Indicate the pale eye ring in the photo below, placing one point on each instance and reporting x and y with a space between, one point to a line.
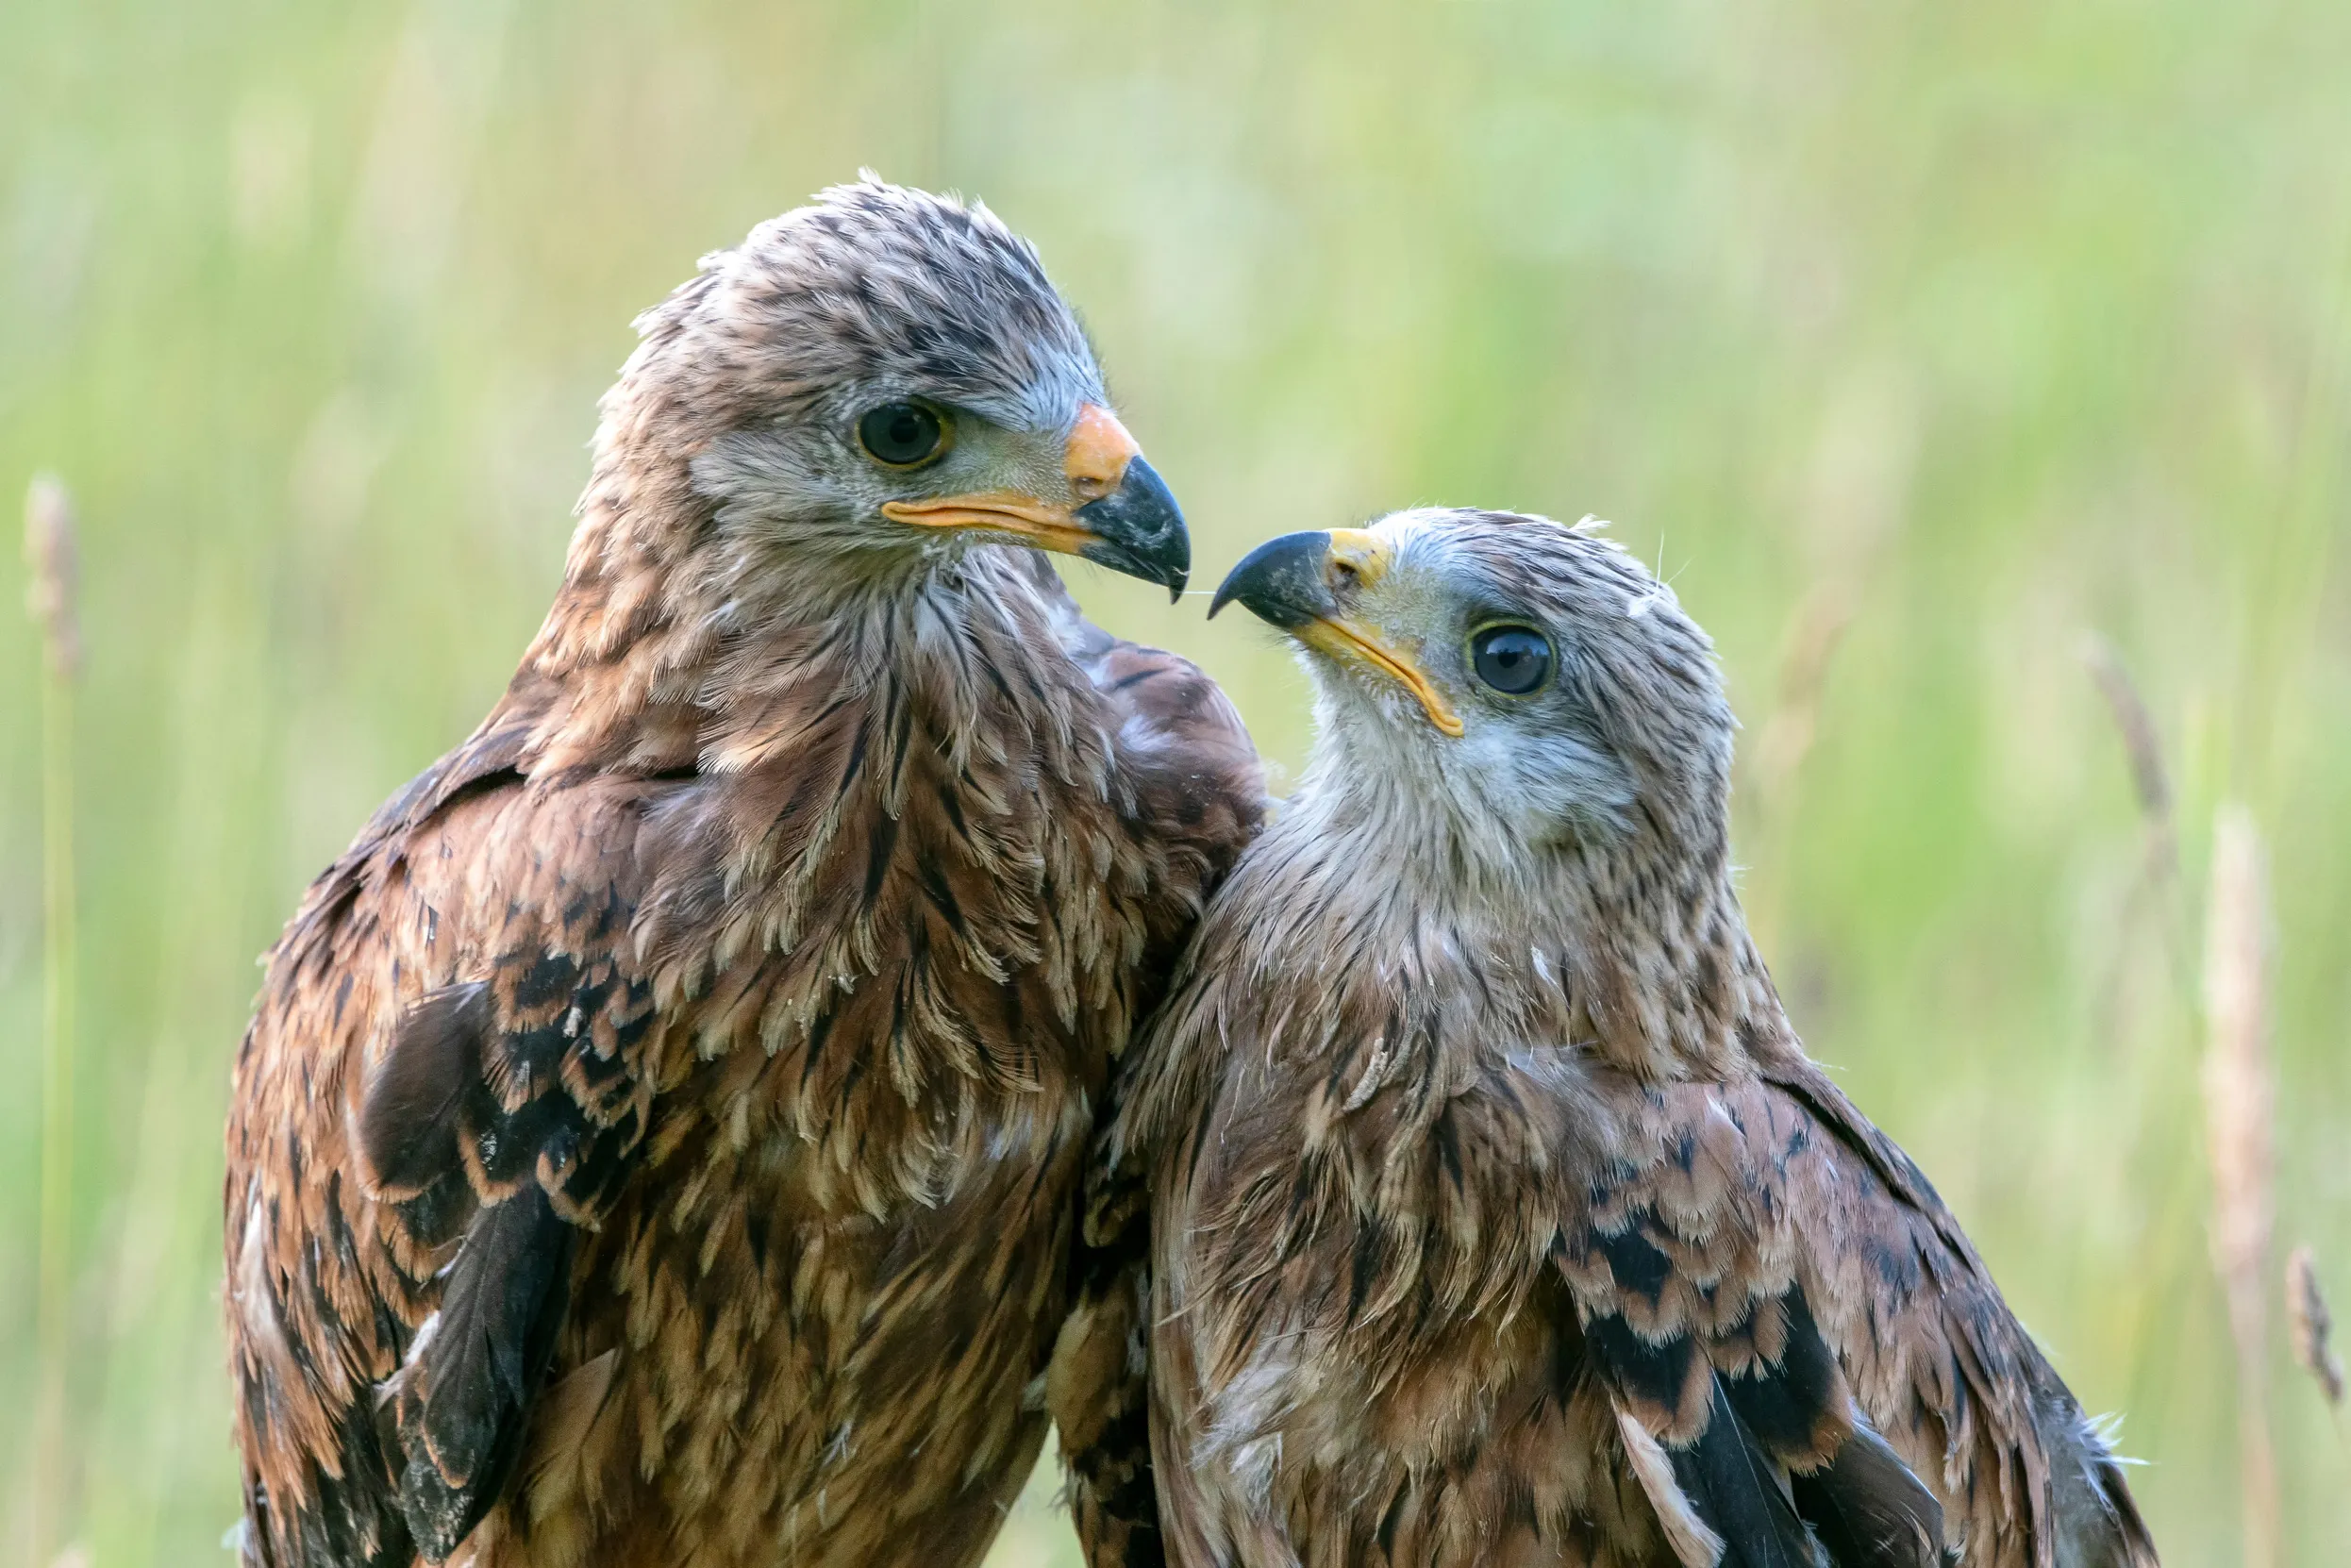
1515 661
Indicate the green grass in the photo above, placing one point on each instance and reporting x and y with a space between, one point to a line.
1990 324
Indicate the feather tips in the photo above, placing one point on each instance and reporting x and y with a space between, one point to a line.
1734 1485
1868 1507
470 1113
460 1406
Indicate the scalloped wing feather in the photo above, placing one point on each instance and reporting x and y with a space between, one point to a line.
451 1037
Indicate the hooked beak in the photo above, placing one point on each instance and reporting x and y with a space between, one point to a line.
1119 513
1296 583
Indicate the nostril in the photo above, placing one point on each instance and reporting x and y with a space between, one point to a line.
1344 578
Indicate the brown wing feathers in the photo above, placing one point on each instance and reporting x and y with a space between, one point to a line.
503 1116
1685 1281
1099 1394
498 1116
1867 1505
1769 1390
1927 1333
458 1406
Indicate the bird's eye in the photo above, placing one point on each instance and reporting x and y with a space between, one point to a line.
903 435
1512 659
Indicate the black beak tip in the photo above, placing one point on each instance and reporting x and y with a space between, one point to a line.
1225 592
1140 529
1281 580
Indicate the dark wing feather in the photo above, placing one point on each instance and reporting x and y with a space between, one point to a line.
493 1111
1197 795
388 1373
409 1123
2039 1483
1733 1484
1099 1392
1684 1270
459 1406
1868 1507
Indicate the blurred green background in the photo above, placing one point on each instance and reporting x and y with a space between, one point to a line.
1918 342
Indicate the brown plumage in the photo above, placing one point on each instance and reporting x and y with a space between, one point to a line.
659 1137
1496 1214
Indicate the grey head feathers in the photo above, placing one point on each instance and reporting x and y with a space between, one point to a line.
740 407
870 290
1625 745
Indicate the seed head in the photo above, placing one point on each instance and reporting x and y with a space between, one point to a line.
53 566
2311 1325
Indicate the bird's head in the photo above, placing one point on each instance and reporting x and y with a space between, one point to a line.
1526 683
883 377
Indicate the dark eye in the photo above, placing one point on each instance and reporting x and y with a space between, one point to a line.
903 434
1515 659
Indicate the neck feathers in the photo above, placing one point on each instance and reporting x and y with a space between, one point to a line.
1633 947
1663 971
615 677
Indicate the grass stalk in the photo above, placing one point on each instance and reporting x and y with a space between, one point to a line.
2239 1120
49 553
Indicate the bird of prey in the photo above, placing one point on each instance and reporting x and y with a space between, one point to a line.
1496 1214
661 1134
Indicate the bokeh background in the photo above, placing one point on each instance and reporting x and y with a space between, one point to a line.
1950 359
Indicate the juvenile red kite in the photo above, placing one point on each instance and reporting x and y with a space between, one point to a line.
659 1137
1496 1214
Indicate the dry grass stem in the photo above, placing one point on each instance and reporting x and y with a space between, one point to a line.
1819 625
53 564
2153 893
2149 779
50 555
2312 1325
2239 1112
